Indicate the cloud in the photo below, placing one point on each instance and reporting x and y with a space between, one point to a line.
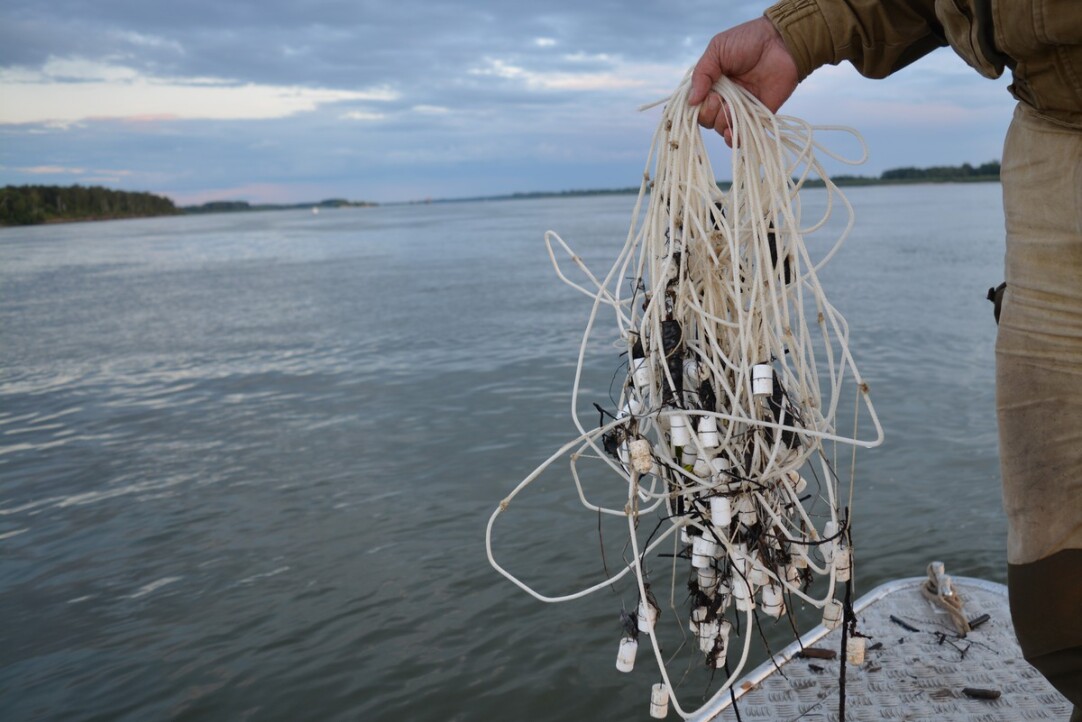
939 93
50 170
430 109
151 41
66 90
66 174
367 115
542 80
376 98
581 57
59 170
614 76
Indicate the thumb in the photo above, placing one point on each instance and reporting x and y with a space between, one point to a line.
707 72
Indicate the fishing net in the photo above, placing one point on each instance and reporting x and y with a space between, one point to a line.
724 436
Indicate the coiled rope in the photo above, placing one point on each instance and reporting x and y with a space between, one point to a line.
939 590
737 364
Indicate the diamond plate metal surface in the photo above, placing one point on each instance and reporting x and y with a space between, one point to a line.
912 675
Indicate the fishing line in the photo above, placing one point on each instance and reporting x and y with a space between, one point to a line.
736 365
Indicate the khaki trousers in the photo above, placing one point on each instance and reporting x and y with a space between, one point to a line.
1039 394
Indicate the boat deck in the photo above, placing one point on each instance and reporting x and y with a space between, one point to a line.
906 675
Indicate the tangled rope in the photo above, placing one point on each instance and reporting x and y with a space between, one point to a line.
939 590
736 366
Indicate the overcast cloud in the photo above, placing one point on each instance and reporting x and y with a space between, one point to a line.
403 99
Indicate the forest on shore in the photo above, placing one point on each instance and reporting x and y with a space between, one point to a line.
965 173
27 205
32 204
245 206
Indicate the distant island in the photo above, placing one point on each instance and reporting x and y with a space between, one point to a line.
242 206
27 205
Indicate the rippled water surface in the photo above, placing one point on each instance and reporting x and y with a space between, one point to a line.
246 460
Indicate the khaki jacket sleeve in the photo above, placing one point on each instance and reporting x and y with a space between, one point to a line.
877 36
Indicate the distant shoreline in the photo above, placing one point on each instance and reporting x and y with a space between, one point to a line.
840 181
35 205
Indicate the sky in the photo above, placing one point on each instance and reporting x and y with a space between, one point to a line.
398 100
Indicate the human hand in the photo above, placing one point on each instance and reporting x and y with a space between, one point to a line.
752 55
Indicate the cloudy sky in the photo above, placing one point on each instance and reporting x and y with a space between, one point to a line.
406 99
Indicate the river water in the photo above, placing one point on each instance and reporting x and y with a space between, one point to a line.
246 461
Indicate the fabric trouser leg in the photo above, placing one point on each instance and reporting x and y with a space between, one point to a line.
1039 394
1045 607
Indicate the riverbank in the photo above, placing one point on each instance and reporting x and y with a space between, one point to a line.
32 205
840 181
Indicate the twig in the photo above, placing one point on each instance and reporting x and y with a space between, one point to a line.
904 625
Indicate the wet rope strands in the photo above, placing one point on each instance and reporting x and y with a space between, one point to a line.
724 435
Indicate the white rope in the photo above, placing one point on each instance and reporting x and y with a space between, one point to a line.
736 366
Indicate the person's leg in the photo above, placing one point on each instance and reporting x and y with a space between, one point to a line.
1039 394
1046 608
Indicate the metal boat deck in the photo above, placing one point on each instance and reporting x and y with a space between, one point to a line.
906 675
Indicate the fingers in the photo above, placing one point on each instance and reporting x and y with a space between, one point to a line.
714 115
700 86
752 55
706 73
711 113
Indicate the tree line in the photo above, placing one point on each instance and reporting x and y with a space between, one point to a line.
29 204
241 206
963 172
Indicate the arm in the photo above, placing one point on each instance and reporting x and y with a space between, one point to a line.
878 37
770 55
